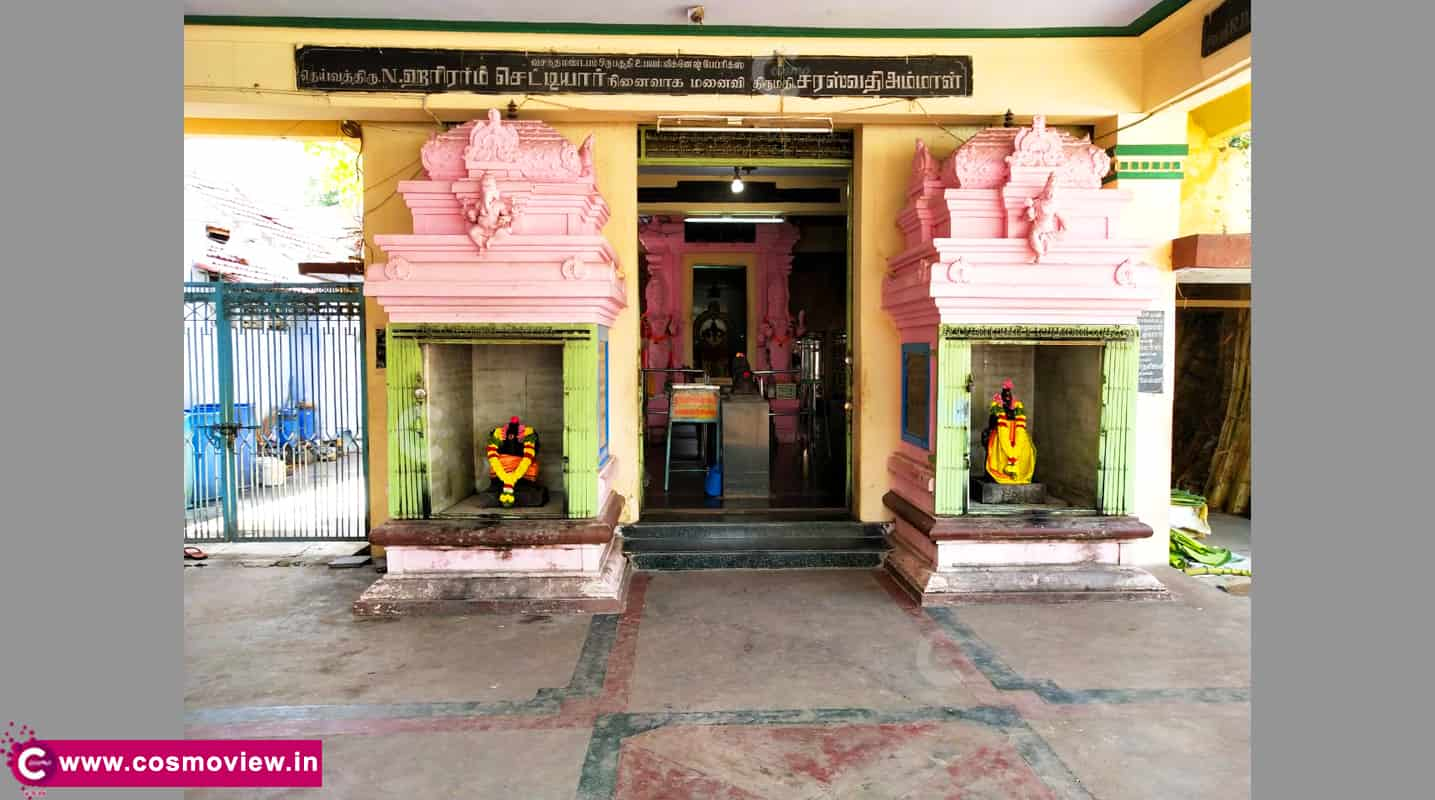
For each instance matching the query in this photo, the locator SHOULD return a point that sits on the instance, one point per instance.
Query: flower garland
(524, 465)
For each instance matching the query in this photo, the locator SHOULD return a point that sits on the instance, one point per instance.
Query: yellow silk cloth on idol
(1011, 458)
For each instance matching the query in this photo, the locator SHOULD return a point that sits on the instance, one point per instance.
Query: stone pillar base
(1015, 558)
(532, 566)
(440, 594)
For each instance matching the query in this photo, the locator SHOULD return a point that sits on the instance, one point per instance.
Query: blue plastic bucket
(712, 485)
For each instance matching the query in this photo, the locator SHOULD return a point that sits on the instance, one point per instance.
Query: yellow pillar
(882, 165)
(1148, 154)
(390, 154)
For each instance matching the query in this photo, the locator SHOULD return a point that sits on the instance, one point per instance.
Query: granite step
(754, 545)
(743, 529)
(758, 559)
(695, 544)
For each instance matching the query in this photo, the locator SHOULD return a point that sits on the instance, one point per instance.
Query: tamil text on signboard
(1225, 24)
(1151, 373)
(694, 404)
(387, 69)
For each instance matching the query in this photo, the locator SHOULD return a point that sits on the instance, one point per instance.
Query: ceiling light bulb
(736, 185)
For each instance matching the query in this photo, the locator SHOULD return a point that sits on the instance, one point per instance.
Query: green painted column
(1116, 482)
(954, 403)
(580, 425)
(408, 450)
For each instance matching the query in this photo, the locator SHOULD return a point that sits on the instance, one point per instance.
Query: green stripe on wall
(1150, 150)
(1140, 25)
(1150, 175)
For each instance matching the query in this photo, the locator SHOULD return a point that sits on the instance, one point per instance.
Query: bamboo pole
(1228, 487)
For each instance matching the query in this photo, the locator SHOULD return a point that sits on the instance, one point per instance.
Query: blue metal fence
(275, 444)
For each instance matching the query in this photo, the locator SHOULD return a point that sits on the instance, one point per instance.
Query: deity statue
(489, 214)
(711, 340)
(777, 341)
(743, 382)
(1011, 457)
(1046, 220)
(658, 332)
(659, 327)
(513, 465)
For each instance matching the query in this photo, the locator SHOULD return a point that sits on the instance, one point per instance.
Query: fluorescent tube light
(735, 218)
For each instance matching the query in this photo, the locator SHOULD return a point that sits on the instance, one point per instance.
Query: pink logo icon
(30, 761)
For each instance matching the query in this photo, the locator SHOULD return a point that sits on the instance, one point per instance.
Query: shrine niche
(1014, 276)
(501, 485)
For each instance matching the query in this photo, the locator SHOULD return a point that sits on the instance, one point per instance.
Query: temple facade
(1000, 262)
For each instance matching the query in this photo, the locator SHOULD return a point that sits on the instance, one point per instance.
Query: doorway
(719, 332)
(744, 266)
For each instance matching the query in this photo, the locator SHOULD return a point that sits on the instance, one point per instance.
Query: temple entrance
(743, 279)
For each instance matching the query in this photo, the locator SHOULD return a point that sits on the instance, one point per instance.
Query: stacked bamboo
(1228, 485)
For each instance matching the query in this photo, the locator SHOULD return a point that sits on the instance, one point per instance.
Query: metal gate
(275, 444)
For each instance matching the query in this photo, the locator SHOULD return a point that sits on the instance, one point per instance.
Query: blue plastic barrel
(296, 424)
(205, 480)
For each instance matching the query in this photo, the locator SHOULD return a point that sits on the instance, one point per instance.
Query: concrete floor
(811, 684)
(1231, 532)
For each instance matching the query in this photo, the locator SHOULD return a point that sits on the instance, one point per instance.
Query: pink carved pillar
(663, 325)
(777, 330)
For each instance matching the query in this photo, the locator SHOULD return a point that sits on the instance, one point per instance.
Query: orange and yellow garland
(510, 469)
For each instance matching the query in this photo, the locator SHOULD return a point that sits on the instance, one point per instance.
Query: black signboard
(369, 69)
(1151, 373)
(381, 349)
(1228, 22)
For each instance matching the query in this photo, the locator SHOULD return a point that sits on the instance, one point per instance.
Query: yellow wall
(1171, 63)
(249, 72)
(1216, 192)
(880, 172)
(277, 128)
(235, 74)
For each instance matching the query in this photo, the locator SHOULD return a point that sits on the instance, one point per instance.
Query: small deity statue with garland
(513, 465)
(1011, 457)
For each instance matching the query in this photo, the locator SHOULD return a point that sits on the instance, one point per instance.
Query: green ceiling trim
(1140, 25)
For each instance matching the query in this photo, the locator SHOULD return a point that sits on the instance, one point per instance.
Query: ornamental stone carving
(1125, 274)
(1044, 213)
(489, 214)
(1038, 147)
(492, 141)
(958, 271)
(507, 227)
(398, 269)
